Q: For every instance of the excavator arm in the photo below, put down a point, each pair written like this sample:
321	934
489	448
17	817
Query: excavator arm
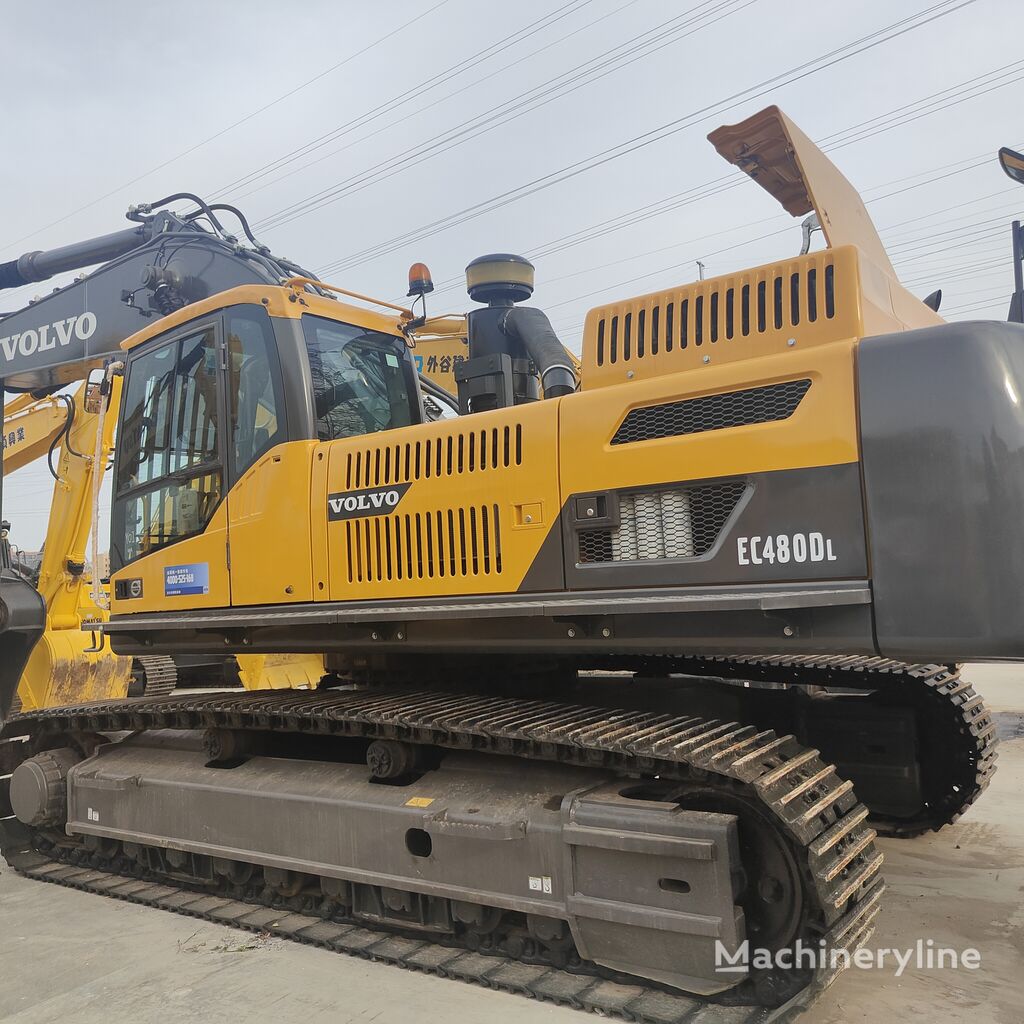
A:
61	666
32	426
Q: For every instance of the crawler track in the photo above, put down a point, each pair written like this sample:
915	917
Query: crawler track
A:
493	970
158	675
960	752
809	804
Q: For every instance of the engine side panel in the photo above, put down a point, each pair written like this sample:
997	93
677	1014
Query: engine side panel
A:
454	507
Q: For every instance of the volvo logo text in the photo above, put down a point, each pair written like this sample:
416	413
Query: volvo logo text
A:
374	501
49	336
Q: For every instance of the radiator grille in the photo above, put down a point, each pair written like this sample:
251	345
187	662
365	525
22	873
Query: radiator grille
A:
450	542
712	412
669	524
467	451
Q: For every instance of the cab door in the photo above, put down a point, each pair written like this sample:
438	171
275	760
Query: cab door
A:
169	524
268	481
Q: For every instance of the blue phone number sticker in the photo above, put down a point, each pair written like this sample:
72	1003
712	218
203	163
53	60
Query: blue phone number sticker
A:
182	580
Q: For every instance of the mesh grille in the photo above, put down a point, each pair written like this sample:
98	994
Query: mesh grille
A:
425	545
712	412
678	523
596	546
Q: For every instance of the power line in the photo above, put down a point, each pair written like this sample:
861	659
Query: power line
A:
658	134
703	15
988	232
889	231
975	306
952	96
961	270
659	207
964	272
983	291
745	242
455	283
540	24
239	122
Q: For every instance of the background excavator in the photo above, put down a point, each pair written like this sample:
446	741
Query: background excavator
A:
66	665
788	492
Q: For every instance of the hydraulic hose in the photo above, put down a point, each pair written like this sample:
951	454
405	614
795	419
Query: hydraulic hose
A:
63	436
532	327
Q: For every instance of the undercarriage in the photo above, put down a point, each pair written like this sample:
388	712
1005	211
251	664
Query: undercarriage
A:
623	847
613	854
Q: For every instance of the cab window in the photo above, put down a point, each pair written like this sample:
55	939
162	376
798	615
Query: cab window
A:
254	387
169	476
362	379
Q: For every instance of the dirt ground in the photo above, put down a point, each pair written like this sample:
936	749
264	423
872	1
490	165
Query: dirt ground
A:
73	957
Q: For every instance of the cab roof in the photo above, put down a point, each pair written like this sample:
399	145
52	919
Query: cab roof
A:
289	301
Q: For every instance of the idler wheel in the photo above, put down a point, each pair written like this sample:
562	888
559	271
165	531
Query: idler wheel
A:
39	787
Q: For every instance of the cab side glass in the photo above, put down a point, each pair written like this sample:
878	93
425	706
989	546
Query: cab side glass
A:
362	379
194	424
142	436
255	391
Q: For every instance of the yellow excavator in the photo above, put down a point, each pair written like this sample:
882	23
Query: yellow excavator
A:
626	669
66	665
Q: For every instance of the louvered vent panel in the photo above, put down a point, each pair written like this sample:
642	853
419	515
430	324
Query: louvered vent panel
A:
811	300
668	524
766	404
468	451
715	312
439	544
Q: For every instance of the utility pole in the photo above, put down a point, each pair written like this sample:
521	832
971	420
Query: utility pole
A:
1016	314
1013	164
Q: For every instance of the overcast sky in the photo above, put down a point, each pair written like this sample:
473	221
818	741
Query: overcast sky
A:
341	126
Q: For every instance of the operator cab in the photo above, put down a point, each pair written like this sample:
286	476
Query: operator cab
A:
206	397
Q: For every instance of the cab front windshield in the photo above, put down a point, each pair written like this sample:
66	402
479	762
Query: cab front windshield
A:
362	380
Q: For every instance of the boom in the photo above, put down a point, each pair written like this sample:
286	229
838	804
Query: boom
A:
150	270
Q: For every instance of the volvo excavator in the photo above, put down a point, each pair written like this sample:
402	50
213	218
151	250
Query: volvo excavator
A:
626	668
